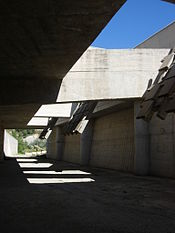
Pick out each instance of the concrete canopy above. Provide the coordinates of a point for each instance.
(39, 42)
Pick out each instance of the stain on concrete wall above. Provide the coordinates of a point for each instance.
(113, 141)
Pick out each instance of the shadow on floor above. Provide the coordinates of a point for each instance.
(113, 202)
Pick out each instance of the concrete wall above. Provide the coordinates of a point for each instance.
(113, 141)
(72, 148)
(162, 39)
(162, 146)
(10, 144)
(114, 146)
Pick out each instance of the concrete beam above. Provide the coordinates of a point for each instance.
(102, 74)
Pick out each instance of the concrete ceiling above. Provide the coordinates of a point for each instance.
(16, 116)
(40, 41)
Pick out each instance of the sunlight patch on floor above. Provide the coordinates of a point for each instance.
(32, 165)
(58, 180)
(35, 165)
(64, 172)
(26, 160)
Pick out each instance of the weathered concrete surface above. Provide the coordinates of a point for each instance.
(113, 141)
(115, 202)
(111, 74)
(162, 39)
(121, 142)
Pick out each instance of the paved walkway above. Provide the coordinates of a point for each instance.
(41, 196)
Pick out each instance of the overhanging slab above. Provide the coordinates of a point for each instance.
(54, 110)
(102, 74)
(38, 121)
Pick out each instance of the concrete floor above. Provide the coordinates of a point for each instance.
(114, 202)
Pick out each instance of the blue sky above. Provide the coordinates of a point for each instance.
(134, 22)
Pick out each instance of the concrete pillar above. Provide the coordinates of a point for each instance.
(1, 144)
(59, 142)
(142, 144)
(86, 143)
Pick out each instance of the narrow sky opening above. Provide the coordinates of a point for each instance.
(136, 21)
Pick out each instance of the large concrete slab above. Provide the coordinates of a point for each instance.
(111, 74)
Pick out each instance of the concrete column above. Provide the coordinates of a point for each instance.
(86, 143)
(142, 144)
(1, 144)
(59, 142)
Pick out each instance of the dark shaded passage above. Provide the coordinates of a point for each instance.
(114, 202)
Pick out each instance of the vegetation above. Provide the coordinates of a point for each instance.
(23, 145)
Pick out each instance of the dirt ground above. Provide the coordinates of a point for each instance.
(113, 202)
